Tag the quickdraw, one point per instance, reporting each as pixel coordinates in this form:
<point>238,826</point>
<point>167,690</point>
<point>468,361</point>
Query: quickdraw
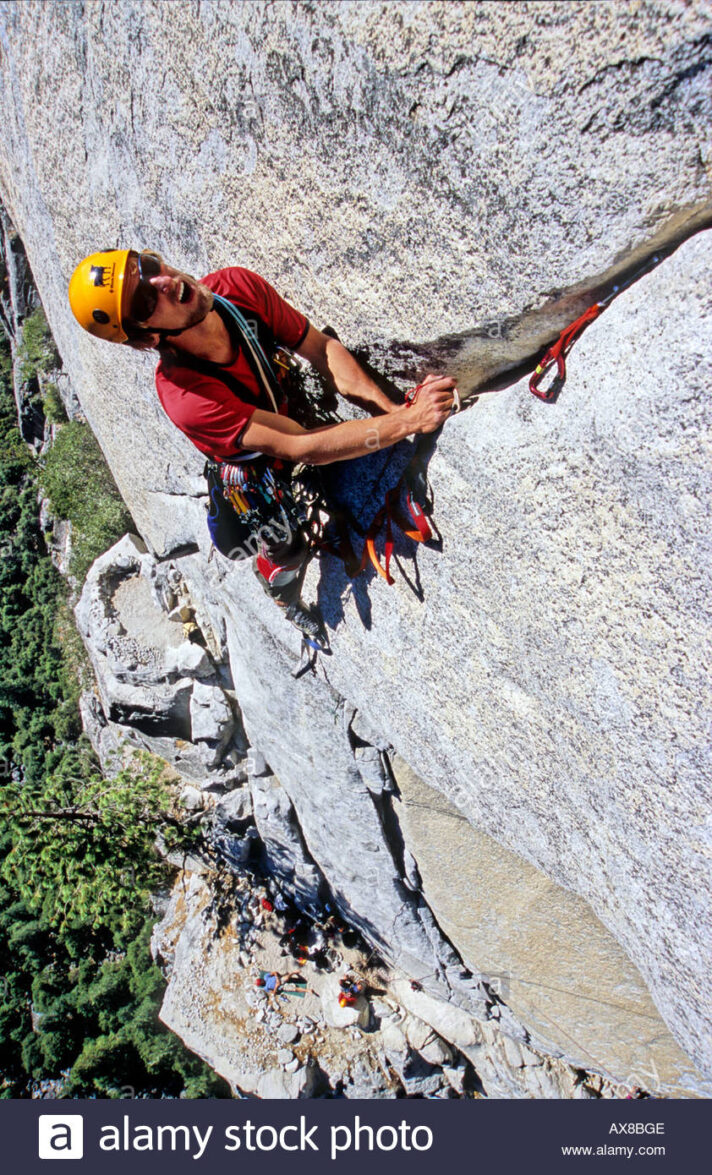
<point>557,353</point>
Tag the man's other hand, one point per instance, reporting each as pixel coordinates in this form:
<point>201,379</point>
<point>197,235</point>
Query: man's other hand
<point>433,403</point>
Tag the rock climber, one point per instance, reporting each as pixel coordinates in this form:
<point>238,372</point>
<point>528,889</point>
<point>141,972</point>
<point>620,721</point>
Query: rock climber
<point>274,984</point>
<point>351,989</point>
<point>210,388</point>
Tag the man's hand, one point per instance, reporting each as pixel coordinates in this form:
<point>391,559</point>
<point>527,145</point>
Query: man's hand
<point>433,402</point>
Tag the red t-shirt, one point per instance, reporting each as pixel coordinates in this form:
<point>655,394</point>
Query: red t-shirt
<point>205,409</point>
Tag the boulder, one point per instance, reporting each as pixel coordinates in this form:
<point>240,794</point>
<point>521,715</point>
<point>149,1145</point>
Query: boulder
<point>127,635</point>
<point>280,1085</point>
<point>288,1033</point>
<point>393,1039</point>
<point>155,690</point>
<point>211,719</point>
<point>188,659</point>
<point>436,1052</point>
<point>419,1079</point>
<point>235,807</point>
<point>192,799</point>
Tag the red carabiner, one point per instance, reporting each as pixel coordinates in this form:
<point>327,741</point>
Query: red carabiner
<point>557,353</point>
<point>553,355</point>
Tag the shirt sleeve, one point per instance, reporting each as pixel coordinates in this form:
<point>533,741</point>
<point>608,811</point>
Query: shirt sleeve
<point>213,420</point>
<point>288,325</point>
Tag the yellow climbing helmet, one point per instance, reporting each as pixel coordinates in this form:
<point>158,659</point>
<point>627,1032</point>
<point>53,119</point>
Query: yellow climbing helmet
<point>95,291</point>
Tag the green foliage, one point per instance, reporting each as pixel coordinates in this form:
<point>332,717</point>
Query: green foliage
<point>95,1017</point>
<point>80,488</point>
<point>84,846</point>
<point>36,352</point>
<point>79,992</point>
<point>128,1050</point>
<point>35,716</point>
<point>52,405</point>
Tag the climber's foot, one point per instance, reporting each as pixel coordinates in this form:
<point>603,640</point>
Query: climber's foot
<point>310,624</point>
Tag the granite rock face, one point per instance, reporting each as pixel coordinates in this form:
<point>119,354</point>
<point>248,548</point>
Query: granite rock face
<point>550,715</point>
<point>566,711</point>
<point>448,185</point>
<point>539,947</point>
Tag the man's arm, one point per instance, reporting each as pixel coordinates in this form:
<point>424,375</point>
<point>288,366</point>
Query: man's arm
<point>278,436</point>
<point>336,365</point>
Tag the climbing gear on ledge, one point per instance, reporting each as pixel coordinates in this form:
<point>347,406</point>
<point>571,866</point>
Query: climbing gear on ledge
<point>559,350</point>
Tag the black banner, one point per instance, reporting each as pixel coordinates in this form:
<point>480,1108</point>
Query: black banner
<point>345,1136</point>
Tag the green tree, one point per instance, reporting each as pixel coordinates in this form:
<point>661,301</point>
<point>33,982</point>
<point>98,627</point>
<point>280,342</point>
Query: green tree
<point>36,351</point>
<point>84,847</point>
<point>80,488</point>
<point>79,992</point>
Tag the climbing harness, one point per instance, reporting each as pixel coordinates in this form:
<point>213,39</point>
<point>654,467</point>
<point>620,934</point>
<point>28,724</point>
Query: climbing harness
<point>557,353</point>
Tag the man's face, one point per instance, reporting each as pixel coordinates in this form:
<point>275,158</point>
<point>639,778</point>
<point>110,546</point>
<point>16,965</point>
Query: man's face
<point>181,302</point>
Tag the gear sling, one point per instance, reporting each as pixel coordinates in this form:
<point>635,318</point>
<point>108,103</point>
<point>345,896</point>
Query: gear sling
<point>251,510</point>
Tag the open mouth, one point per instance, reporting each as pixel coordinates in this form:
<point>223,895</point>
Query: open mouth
<point>184,293</point>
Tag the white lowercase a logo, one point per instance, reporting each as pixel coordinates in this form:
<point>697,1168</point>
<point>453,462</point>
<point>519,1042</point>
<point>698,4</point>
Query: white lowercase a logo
<point>61,1136</point>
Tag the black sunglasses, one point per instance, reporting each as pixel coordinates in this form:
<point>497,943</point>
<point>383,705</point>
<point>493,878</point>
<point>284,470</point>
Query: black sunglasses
<point>145,296</point>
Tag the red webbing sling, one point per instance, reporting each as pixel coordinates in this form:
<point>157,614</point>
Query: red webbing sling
<point>557,354</point>
<point>558,351</point>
